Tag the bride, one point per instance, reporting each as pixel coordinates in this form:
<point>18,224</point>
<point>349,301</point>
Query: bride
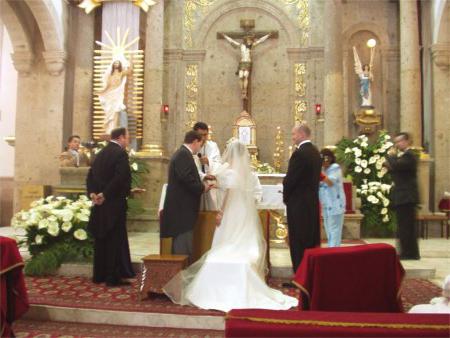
<point>231,274</point>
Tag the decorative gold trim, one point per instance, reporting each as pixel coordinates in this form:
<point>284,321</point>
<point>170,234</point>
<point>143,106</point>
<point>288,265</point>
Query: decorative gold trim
<point>300,104</point>
<point>341,324</point>
<point>303,18</point>
<point>191,95</point>
<point>90,5</point>
<point>190,17</point>
<point>301,287</point>
<point>11,267</point>
<point>151,150</point>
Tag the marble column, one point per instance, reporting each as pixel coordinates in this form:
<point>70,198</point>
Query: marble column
<point>410,77</point>
<point>152,151</point>
<point>333,73</point>
<point>440,53</point>
<point>82,48</point>
<point>153,88</point>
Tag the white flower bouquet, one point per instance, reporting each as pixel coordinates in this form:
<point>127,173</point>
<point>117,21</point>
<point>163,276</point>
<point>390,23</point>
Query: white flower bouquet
<point>364,163</point>
<point>55,231</point>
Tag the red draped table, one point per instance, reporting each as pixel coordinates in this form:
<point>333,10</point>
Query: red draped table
<point>269,323</point>
<point>14,299</point>
<point>362,278</point>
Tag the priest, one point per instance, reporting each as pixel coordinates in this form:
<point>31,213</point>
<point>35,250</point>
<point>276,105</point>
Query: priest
<point>207,161</point>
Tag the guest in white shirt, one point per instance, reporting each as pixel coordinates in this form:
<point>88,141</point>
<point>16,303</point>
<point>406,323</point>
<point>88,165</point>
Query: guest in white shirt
<point>207,161</point>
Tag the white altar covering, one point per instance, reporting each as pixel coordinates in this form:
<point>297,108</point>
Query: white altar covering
<point>272,197</point>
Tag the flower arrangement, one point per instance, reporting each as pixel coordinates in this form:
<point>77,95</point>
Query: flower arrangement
<point>364,162</point>
<point>55,231</point>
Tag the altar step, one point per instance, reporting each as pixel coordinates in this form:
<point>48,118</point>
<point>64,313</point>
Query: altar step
<point>124,318</point>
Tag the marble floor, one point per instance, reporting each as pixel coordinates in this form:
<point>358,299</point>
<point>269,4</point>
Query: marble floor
<point>435,253</point>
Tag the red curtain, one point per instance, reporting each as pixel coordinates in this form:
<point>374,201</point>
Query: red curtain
<point>14,299</point>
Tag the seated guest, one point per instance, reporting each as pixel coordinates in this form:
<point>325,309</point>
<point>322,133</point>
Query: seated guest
<point>437,304</point>
<point>332,198</point>
<point>73,157</point>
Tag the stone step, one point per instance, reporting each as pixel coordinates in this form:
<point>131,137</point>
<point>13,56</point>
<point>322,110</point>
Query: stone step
<point>128,318</point>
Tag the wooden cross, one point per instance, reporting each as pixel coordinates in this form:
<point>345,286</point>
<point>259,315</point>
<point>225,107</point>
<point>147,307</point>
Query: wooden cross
<point>248,34</point>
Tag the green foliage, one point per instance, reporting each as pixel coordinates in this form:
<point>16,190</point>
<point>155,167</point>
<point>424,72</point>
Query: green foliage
<point>138,170</point>
<point>48,261</point>
<point>364,163</point>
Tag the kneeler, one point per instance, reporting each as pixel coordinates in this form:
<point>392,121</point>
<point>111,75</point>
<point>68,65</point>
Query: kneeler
<point>362,278</point>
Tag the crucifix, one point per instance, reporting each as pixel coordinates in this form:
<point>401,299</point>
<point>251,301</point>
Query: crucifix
<point>250,39</point>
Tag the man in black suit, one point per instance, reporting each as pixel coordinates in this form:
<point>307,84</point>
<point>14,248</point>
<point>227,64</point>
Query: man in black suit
<point>184,189</point>
<point>405,197</point>
<point>108,186</point>
<point>301,195</point>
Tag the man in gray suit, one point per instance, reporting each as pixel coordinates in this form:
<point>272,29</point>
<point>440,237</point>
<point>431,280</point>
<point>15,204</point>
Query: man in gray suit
<point>183,194</point>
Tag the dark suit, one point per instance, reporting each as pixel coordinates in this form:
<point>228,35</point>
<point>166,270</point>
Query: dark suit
<point>301,196</point>
<point>182,201</point>
<point>405,198</point>
<point>110,174</point>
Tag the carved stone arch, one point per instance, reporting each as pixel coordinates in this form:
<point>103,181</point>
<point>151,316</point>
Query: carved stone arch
<point>366,26</point>
<point>23,55</point>
<point>52,34</point>
<point>293,32</point>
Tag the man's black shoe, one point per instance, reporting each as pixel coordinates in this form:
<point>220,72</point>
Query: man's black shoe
<point>117,283</point>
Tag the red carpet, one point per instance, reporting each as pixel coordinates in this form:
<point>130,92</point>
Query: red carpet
<point>45,329</point>
<point>80,292</point>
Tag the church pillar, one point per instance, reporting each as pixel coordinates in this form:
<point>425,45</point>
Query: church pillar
<point>152,151</point>
<point>333,73</point>
<point>440,54</point>
<point>81,49</point>
<point>410,78</point>
<point>153,89</point>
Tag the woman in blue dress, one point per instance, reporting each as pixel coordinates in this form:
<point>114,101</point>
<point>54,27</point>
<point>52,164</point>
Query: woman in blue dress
<point>332,198</point>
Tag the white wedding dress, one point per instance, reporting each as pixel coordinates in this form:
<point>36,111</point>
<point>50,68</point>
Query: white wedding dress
<point>231,274</point>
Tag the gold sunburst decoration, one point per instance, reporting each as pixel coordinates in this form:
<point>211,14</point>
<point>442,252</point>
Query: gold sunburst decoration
<point>112,50</point>
<point>90,5</point>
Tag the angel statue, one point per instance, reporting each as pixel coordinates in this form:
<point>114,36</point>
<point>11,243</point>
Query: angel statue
<point>365,77</point>
<point>113,93</point>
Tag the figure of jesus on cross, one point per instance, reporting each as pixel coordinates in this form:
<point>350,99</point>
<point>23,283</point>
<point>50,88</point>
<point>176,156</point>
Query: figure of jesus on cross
<point>250,39</point>
<point>245,65</point>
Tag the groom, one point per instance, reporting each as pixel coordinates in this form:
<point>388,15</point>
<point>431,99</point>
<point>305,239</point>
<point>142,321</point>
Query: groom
<point>182,201</point>
<point>301,195</point>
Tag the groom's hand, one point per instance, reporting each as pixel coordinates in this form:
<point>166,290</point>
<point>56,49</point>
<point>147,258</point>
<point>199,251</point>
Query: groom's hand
<point>209,177</point>
<point>207,187</point>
